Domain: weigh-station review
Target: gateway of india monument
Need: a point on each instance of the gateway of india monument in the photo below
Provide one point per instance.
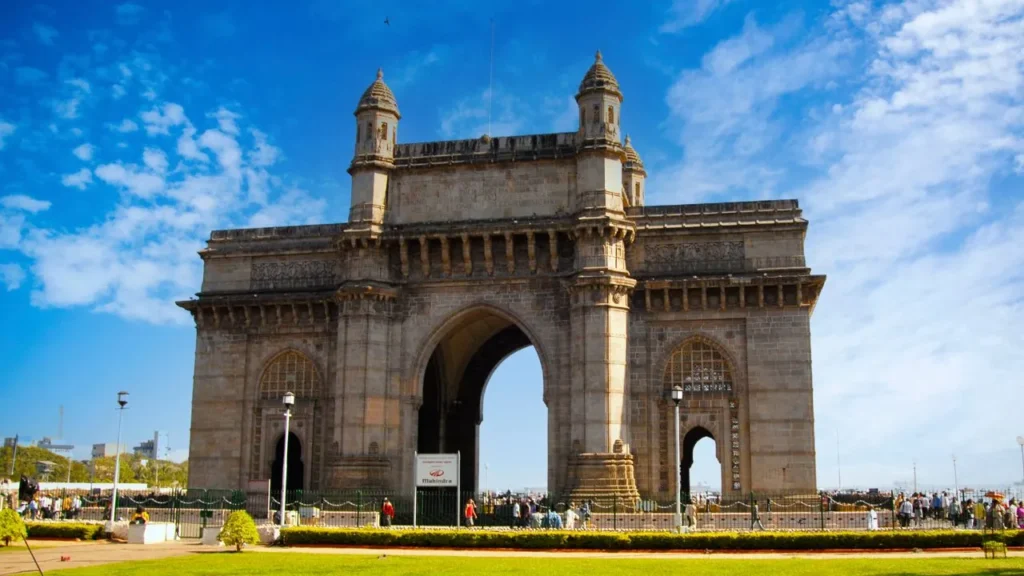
(457, 254)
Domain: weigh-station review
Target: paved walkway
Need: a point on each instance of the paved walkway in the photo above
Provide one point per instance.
(93, 553)
(48, 554)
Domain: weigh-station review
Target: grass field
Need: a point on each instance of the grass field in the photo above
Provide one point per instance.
(257, 564)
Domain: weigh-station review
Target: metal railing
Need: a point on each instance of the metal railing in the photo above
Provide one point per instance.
(194, 509)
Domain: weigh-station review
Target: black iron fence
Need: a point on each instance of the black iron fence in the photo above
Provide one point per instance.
(194, 509)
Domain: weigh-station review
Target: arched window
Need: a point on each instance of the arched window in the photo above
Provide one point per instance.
(394, 134)
(583, 116)
(597, 114)
(384, 131)
(700, 369)
(611, 115)
(290, 371)
(636, 194)
(369, 131)
(359, 132)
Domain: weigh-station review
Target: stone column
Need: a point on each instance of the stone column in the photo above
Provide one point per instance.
(365, 401)
(602, 465)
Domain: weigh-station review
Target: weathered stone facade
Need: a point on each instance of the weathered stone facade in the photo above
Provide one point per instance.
(458, 253)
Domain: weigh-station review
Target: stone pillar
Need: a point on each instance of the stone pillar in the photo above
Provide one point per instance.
(601, 465)
(366, 406)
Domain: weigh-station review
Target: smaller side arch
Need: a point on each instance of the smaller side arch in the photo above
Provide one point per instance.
(289, 370)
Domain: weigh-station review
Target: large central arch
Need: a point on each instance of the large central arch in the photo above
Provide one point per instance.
(454, 369)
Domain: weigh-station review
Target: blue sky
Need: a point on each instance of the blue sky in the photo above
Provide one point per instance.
(128, 132)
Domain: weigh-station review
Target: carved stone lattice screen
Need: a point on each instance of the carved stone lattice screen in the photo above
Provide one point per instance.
(290, 372)
(700, 369)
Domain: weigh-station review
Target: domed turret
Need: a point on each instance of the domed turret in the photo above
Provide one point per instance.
(376, 137)
(599, 100)
(599, 78)
(633, 175)
(378, 97)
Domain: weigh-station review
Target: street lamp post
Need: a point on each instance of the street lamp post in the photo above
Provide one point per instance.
(956, 481)
(122, 401)
(289, 401)
(1020, 440)
(677, 395)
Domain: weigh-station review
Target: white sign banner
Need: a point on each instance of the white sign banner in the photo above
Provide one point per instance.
(437, 470)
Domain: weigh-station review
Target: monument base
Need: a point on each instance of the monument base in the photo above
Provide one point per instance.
(603, 477)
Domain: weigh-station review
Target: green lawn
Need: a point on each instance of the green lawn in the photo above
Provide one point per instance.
(255, 563)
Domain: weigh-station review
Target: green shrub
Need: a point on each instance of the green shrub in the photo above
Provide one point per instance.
(65, 530)
(239, 530)
(544, 539)
(12, 528)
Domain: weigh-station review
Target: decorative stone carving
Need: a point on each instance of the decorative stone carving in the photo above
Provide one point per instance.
(690, 257)
(294, 274)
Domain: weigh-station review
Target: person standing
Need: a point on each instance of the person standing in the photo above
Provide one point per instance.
(470, 513)
(387, 513)
(690, 513)
(755, 517)
(515, 514)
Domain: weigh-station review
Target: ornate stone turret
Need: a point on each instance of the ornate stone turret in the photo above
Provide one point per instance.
(602, 464)
(599, 101)
(376, 136)
(633, 176)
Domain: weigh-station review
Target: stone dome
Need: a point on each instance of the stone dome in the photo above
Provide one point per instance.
(599, 78)
(378, 97)
(632, 158)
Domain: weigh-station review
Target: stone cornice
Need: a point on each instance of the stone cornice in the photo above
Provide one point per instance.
(731, 291)
(248, 311)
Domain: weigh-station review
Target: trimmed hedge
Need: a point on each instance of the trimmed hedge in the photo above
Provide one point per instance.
(65, 530)
(899, 539)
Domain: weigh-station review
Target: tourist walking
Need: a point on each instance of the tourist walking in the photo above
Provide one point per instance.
(470, 513)
(755, 517)
(387, 513)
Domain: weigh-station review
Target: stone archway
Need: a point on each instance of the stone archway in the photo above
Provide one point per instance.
(469, 349)
(689, 442)
(296, 467)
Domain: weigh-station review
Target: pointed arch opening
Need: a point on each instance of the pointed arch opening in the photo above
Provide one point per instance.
(470, 352)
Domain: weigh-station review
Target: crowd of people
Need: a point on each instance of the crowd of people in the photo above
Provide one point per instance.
(995, 514)
(34, 504)
(527, 512)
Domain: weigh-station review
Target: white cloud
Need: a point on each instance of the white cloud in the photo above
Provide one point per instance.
(263, 153)
(128, 13)
(129, 177)
(125, 126)
(187, 147)
(44, 33)
(225, 148)
(469, 117)
(80, 179)
(84, 152)
(24, 203)
(6, 129)
(226, 120)
(899, 159)
(12, 276)
(67, 109)
(155, 160)
(117, 91)
(81, 84)
(161, 120)
(686, 13)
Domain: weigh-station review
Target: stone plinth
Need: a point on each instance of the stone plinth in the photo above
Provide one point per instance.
(360, 471)
(602, 476)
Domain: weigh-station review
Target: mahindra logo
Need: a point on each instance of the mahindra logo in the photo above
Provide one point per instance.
(437, 473)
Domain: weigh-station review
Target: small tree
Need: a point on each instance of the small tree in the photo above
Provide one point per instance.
(239, 530)
(11, 527)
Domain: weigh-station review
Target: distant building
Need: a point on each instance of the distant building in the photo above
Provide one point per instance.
(108, 449)
(149, 448)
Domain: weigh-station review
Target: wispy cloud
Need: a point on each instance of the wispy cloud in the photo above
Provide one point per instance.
(84, 152)
(686, 13)
(416, 64)
(44, 33)
(12, 276)
(24, 203)
(127, 125)
(80, 179)
(900, 127)
(6, 129)
(128, 13)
